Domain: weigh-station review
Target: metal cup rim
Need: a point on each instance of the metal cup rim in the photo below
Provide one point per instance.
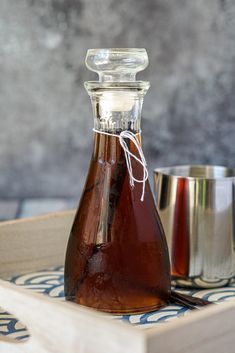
(169, 172)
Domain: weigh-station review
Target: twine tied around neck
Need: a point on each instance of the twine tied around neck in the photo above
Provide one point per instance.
(126, 134)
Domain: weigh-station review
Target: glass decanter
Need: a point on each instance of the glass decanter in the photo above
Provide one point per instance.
(117, 258)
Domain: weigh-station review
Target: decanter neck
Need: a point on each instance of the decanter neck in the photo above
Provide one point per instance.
(117, 106)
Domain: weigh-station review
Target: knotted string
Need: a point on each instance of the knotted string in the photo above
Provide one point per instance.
(126, 134)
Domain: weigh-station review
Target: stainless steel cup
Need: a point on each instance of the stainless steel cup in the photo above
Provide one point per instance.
(196, 205)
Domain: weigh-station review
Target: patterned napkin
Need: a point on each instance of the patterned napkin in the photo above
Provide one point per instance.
(51, 282)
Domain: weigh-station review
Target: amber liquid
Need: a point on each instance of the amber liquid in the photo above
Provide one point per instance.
(117, 259)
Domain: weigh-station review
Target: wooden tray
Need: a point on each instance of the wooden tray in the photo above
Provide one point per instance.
(61, 327)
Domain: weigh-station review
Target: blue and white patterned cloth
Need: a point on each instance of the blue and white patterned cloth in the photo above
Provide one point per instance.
(51, 282)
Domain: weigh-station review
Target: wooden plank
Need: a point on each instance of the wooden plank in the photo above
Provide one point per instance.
(208, 330)
(59, 327)
(35, 243)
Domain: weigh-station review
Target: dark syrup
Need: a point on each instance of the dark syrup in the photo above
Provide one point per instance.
(117, 258)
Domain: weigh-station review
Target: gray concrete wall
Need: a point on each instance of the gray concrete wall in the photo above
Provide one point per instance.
(45, 113)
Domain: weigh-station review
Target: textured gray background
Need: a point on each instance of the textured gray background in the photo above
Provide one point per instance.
(45, 113)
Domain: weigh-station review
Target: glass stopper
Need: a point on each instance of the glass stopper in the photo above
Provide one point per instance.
(117, 64)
